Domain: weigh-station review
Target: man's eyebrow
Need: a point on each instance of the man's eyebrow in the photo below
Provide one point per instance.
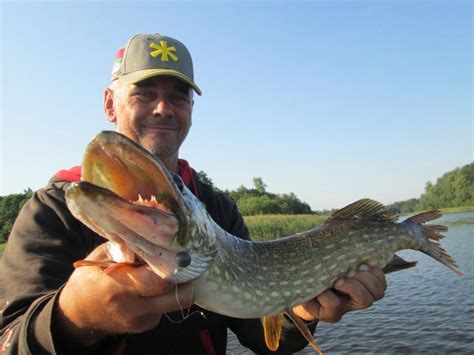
(182, 88)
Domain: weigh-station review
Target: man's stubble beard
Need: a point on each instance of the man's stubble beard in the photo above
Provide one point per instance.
(164, 150)
(160, 149)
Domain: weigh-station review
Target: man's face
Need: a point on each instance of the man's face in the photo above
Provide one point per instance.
(155, 113)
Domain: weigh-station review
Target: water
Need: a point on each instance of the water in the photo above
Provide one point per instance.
(427, 309)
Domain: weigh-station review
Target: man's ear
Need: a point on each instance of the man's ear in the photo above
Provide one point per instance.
(109, 107)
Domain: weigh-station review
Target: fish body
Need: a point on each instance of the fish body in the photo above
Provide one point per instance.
(248, 279)
(231, 276)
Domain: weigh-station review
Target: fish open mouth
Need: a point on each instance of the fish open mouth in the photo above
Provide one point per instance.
(114, 162)
(127, 196)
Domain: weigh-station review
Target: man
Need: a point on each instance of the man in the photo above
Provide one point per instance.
(48, 307)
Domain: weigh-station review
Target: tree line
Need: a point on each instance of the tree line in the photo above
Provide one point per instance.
(10, 205)
(453, 189)
(258, 201)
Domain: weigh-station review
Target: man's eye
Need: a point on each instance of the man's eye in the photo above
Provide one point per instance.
(179, 99)
(144, 94)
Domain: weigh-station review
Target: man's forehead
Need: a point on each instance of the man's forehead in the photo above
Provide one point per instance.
(170, 81)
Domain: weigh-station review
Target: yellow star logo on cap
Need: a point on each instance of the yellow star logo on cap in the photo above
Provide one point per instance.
(163, 50)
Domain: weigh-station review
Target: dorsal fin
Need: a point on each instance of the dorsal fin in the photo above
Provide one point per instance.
(364, 209)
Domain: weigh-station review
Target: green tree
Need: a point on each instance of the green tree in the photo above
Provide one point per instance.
(10, 206)
(260, 186)
(257, 205)
(205, 178)
(290, 204)
(404, 206)
(258, 200)
(453, 189)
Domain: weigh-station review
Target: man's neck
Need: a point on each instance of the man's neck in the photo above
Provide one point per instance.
(171, 163)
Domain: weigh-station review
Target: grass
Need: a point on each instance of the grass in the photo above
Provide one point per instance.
(2, 247)
(458, 209)
(269, 227)
(444, 210)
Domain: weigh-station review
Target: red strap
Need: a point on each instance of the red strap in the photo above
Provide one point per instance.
(121, 347)
(207, 342)
(187, 175)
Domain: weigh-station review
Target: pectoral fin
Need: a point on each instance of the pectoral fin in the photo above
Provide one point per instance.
(272, 330)
(303, 328)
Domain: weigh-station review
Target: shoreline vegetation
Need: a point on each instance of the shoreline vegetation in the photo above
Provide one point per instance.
(268, 227)
(457, 209)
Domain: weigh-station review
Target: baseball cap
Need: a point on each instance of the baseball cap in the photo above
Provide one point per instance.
(149, 55)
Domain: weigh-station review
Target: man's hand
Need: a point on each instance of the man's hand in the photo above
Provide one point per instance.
(357, 291)
(93, 304)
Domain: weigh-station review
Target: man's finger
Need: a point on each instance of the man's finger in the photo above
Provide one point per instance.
(332, 307)
(373, 279)
(182, 297)
(99, 254)
(142, 280)
(308, 311)
(379, 274)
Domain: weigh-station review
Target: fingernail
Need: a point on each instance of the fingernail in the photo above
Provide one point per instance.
(351, 274)
(339, 283)
(363, 267)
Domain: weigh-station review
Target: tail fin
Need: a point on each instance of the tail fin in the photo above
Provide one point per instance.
(433, 233)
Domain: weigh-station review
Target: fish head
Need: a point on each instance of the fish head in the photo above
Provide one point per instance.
(128, 196)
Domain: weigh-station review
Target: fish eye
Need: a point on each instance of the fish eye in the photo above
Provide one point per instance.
(183, 259)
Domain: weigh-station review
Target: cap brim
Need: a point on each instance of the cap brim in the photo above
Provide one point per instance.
(141, 75)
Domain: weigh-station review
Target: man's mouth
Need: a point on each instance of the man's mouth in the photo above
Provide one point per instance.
(161, 127)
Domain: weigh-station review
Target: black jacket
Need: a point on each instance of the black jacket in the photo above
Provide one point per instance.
(45, 241)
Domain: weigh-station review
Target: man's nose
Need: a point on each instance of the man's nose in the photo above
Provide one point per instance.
(163, 108)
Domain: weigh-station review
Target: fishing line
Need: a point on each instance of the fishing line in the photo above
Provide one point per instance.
(181, 308)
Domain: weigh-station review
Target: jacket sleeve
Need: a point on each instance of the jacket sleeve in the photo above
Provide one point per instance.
(250, 331)
(37, 261)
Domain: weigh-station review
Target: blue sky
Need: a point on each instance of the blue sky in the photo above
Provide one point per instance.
(333, 101)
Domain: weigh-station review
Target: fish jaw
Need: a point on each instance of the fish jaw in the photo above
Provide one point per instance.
(131, 229)
(118, 177)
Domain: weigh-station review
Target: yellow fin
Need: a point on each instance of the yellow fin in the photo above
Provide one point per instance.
(272, 330)
(303, 328)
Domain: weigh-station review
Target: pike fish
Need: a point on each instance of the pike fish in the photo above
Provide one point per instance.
(149, 216)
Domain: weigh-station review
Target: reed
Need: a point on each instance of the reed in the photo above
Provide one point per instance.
(458, 209)
(268, 227)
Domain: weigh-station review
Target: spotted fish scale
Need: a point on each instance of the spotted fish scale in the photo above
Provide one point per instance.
(249, 279)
